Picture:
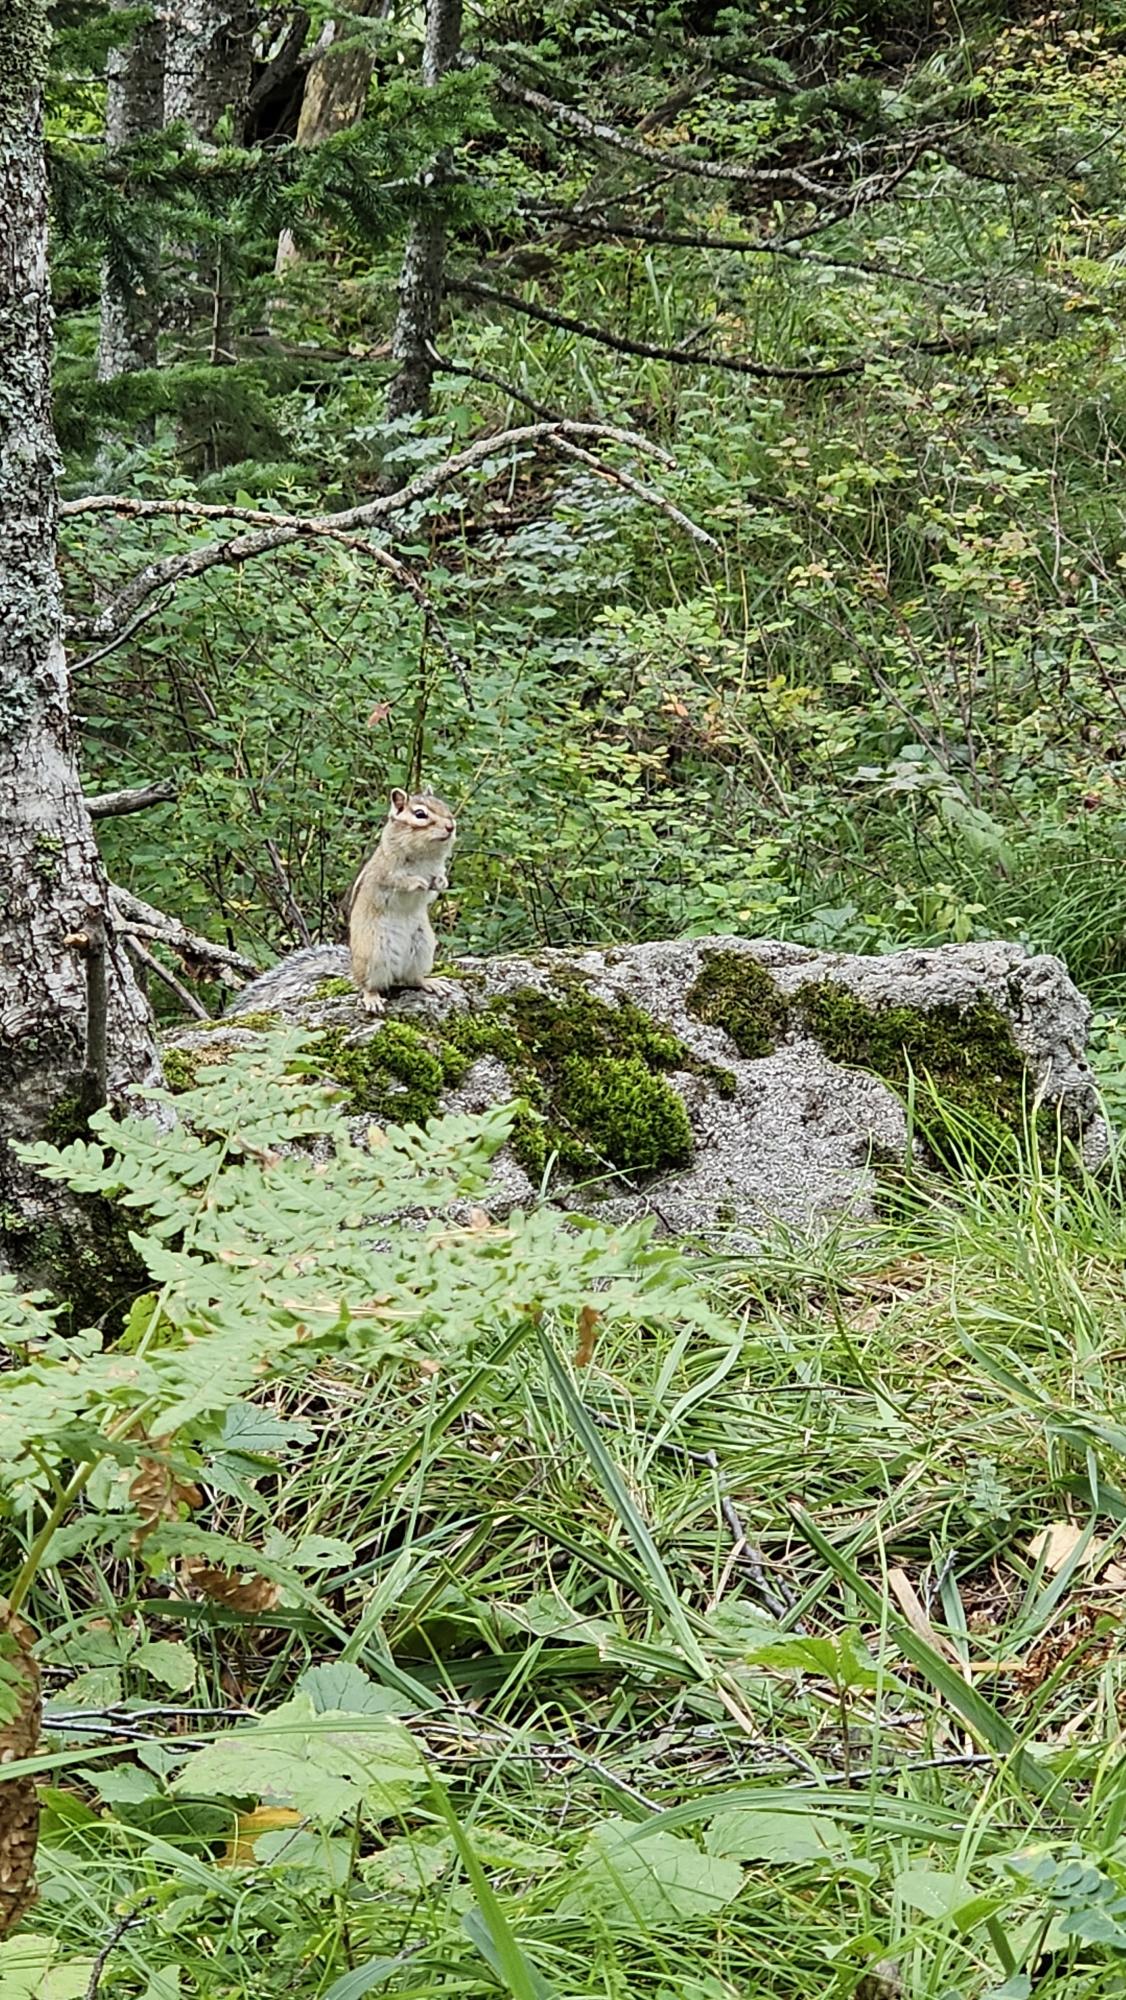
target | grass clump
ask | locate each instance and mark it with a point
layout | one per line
(734, 992)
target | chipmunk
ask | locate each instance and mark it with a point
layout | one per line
(388, 926)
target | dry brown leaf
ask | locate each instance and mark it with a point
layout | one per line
(905, 1595)
(159, 1494)
(246, 1591)
(589, 1321)
(19, 1800)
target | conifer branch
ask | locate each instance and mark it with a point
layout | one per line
(800, 179)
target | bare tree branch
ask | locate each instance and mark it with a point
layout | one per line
(136, 919)
(277, 531)
(799, 178)
(110, 805)
(146, 959)
(646, 493)
(649, 350)
(583, 226)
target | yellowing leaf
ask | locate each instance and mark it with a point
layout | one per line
(239, 1851)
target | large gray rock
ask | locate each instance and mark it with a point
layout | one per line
(792, 1066)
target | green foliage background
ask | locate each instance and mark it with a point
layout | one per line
(888, 707)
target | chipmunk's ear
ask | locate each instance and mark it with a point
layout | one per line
(398, 800)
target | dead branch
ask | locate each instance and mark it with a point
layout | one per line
(277, 531)
(664, 158)
(646, 493)
(581, 224)
(649, 350)
(145, 958)
(136, 919)
(111, 805)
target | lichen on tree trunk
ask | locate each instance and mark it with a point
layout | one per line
(422, 278)
(127, 331)
(51, 879)
(208, 59)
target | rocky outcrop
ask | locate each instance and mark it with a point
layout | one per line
(720, 1083)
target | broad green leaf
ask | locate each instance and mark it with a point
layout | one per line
(748, 1834)
(931, 1890)
(325, 1766)
(636, 1879)
(337, 1684)
(31, 1970)
(168, 1661)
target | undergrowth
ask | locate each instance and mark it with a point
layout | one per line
(513, 1605)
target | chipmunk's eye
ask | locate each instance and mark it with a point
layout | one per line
(420, 812)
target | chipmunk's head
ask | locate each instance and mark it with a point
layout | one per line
(419, 822)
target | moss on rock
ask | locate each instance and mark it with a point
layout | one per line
(734, 992)
(591, 1076)
(398, 1074)
(966, 1053)
(336, 988)
(181, 1068)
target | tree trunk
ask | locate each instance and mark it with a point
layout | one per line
(52, 889)
(209, 46)
(422, 275)
(336, 91)
(134, 107)
(207, 65)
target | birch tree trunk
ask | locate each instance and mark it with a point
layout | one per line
(127, 331)
(52, 889)
(422, 277)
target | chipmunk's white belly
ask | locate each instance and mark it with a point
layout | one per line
(406, 946)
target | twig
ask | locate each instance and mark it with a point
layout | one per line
(646, 493)
(763, 371)
(128, 1923)
(118, 638)
(293, 911)
(151, 964)
(447, 367)
(110, 805)
(751, 246)
(91, 942)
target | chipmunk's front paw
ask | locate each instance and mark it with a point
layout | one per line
(440, 883)
(372, 1003)
(443, 986)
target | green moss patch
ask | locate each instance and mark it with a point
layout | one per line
(734, 992)
(180, 1067)
(592, 1077)
(397, 1074)
(594, 1073)
(967, 1053)
(334, 989)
